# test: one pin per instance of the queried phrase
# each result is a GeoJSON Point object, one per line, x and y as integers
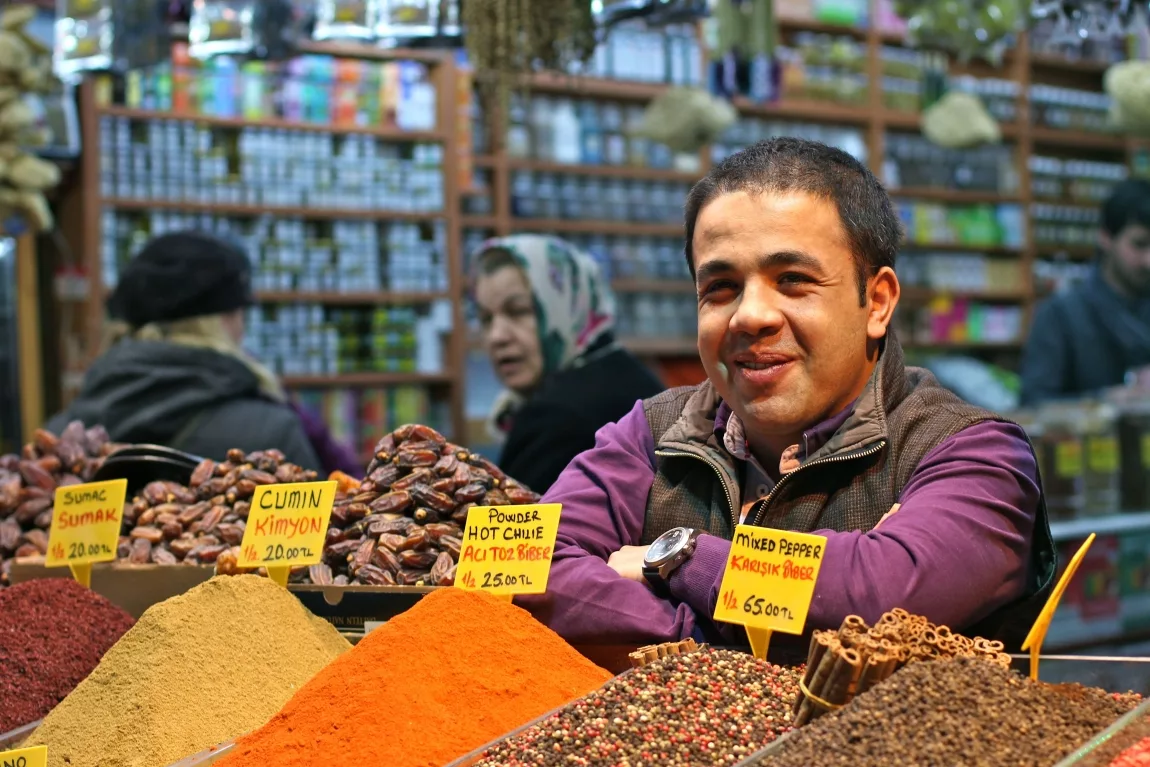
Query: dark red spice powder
{"type": "Point", "coordinates": [53, 632]}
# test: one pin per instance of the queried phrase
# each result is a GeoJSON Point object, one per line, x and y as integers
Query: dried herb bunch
{"type": "Point", "coordinates": [508, 39]}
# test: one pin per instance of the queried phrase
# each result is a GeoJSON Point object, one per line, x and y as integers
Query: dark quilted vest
{"type": "Point", "coordinates": [848, 484]}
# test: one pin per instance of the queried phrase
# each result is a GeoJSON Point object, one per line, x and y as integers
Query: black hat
{"type": "Point", "coordinates": [181, 275]}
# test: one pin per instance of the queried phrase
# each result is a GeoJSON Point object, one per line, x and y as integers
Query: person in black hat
{"type": "Point", "coordinates": [174, 372]}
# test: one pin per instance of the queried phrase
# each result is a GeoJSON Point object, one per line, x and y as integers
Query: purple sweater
{"type": "Point", "coordinates": [957, 549]}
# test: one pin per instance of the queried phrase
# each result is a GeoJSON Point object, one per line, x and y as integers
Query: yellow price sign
{"type": "Point", "coordinates": [36, 756]}
{"type": "Point", "coordinates": [507, 550]}
{"type": "Point", "coordinates": [86, 522]}
{"type": "Point", "coordinates": [287, 526]}
{"type": "Point", "coordinates": [769, 582]}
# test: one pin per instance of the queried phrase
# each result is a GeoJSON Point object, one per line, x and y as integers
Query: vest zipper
{"type": "Point", "coordinates": [718, 470]}
{"type": "Point", "coordinates": [757, 512]}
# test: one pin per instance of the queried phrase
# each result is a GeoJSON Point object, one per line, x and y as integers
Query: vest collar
{"type": "Point", "coordinates": [866, 425]}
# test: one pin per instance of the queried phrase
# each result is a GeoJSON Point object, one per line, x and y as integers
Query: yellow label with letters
{"type": "Point", "coordinates": [1102, 454]}
{"type": "Point", "coordinates": [86, 522]}
{"type": "Point", "coordinates": [1068, 459]}
{"type": "Point", "coordinates": [508, 549]}
{"type": "Point", "coordinates": [770, 578]}
{"type": "Point", "coordinates": [287, 524]}
{"type": "Point", "coordinates": [36, 756]}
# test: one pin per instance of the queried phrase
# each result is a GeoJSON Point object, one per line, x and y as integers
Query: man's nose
{"type": "Point", "coordinates": [758, 311]}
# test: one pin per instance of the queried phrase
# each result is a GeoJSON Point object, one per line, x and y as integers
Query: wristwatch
{"type": "Point", "coordinates": [669, 550]}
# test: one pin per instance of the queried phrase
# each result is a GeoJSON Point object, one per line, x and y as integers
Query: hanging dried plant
{"type": "Point", "coordinates": [509, 39]}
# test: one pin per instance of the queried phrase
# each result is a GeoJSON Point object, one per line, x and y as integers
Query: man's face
{"type": "Point", "coordinates": [781, 333]}
{"type": "Point", "coordinates": [1129, 259]}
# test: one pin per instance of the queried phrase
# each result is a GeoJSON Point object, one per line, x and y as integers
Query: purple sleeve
{"type": "Point", "coordinates": [332, 455]}
{"type": "Point", "coordinates": [957, 549]}
{"type": "Point", "coordinates": [604, 496]}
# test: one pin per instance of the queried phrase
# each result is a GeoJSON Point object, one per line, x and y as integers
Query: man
{"type": "Point", "coordinates": [808, 421]}
{"type": "Point", "coordinates": [1096, 334]}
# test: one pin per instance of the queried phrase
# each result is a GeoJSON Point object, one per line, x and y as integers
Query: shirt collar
{"type": "Point", "coordinates": [813, 438]}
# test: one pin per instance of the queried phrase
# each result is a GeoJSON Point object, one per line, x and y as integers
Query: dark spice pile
{"type": "Point", "coordinates": [28, 482]}
{"type": "Point", "coordinates": [403, 525]}
{"type": "Point", "coordinates": [710, 707]}
{"type": "Point", "coordinates": [961, 711]}
{"type": "Point", "coordinates": [53, 632]}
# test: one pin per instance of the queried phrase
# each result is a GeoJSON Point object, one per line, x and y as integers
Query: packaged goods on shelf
{"type": "Point", "coordinates": [176, 159]}
{"type": "Point", "coordinates": [578, 198]}
{"type": "Point", "coordinates": [972, 226]}
{"type": "Point", "coordinates": [1073, 225]}
{"type": "Point", "coordinates": [1074, 181]}
{"type": "Point", "coordinates": [1069, 109]}
{"type": "Point", "coordinates": [946, 320]}
{"type": "Point", "coordinates": [196, 670]}
{"type": "Point", "coordinates": [29, 480]}
{"type": "Point", "coordinates": [358, 416]}
{"type": "Point", "coordinates": [656, 315]}
{"type": "Point", "coordinates": [396, 698]}
{"type": "Point", "coordinates": [403, 525]}
{"type": "Point", "coordinates": [311, 88]}
{"type": "Point", "coordinates": [627, 257]}
{"type": "Point", "coordinates": [963, 710]}
{"type": "Point", "coordinates": [169, 523]}
{"type": "Point", "coordinates": [748, 130]}
{"type": "Point", "coordinates": [310, 339]}
{"type": "Point", "coordinates": [706, 707]}
{"type": "Point", "coordinates": [824, 68]}
{"type": "Point", "coordinates": [913, 161]}
{"type": "Point", "coordinates": [1056, 276]}
{"type": "Point", "coordinates": [290, 253]}
{"type": "Point", "coordinates": [633, 51]}
{"type": "Point", "coordinates": [53, 634]}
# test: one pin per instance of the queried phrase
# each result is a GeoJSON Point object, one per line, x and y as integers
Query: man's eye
{"type": "Point", "coordinates": [793, 278]}
{"type": "Point", "coordinates": [716, 286]}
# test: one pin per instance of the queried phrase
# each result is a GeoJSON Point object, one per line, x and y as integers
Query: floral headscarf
{"type": "Point", "coordinates": [574, 306]}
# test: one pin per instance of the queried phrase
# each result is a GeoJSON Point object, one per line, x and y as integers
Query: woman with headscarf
{"type": "Point", "coordinates": [548, 327]}
{"type": "Point", "coordinates": [174, 372]}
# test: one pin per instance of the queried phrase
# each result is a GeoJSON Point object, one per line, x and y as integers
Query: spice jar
{"type": "Point", "coordinates": [1102, 459]}
{"type": "Point", "coordinates": [1062, 448]}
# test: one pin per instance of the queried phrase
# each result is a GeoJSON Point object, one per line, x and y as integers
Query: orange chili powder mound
{"type": "Point", "coordinates": [458, 670]}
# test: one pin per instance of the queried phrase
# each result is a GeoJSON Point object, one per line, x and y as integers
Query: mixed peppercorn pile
{"type": "Point", "coordinates": [711, 707]}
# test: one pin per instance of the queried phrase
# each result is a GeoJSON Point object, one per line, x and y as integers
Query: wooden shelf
{"type": "Point", "coordinates": [391, 133]}
{"type": "Point", "coordinates": [943, 194]}
{"type": "Point", "coordinates": [479, 222]}
{"type": "Point", "coordinates": [1066, 252]}
{"type": "Point", "coordinates": [1071, 139]}
{"type": "Point", "coordinates": [1041, 61]}
{"type": "Point", "coordinates": [821, 111]}
{"type": "Point", "coordinates": [661, 347]}
{"type": "Point", "coordinates": [360, 380]}
{"type": "Point", "coordinates": [944, 346]}
{"type": "Point", "coordinates": [653, 286]}
{"type": "Point", "coordinates": [596, 227]}
{"type": "Point", "coordinates": [229, 209]}
{"type": "Point", "coordinates": [607, 171]}
{"type": "Point", "coordinates": [345, 50]}
{"type": "Point", "coordinates": [349, 299]}
{"type": "Point", "coordinates": [595, 87]}
{"type": "Point", "coordinates": [822, 27]}
{"type": "Point", "coordinates": [916, 294]}
{"type": "Point", "coordinates": [485, 161]}
{"type": "Point", "coordinates": [961, 247]}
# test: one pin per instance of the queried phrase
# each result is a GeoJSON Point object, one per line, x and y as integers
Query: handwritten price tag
{"type": "Point", "coordinates": [507, 549]}
{"type": "Point", "coordinates": [37, 756]}
{"type": "Point", "coordinates": [769, 582]}
{"type": "Point", "coordinates": [286, 526]}
{"type": "Point", "coordinates": [86, 521]}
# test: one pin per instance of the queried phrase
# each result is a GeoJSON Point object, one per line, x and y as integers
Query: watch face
{"type": "Point", "coordinates": [666, 545]}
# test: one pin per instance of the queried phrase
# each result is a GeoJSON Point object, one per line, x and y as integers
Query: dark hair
{"type": "Point", "coordinates": [797, 165]}
{"type": "Point", "coordinates": [495, 258]}
{"type": "Point", "coordinates": [1128, 203]}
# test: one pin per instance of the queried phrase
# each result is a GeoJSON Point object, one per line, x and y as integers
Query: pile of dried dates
{"type": "Point", "coordinates": [28, 483]}
{"type": "Point", "coordinates": [403, 525]}
{"type": "Point", "coordinates": [169, 523]}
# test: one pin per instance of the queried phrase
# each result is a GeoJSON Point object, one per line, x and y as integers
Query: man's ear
{"type": "Point", "coordinates": [883, 292]}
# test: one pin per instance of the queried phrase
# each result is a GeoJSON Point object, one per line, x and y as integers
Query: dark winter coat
{"type": "Point", "coordinates": [187, 398]}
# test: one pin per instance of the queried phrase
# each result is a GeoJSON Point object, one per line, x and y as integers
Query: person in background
{"type": "Point", "coordinates": [548, 318]}
{"type": "Point", "coordinates": [173, 371]}
{"type": "Point", "coordinates": [1097, 334]}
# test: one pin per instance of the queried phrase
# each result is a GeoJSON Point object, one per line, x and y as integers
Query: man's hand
{"type": "Point", "coordinates": [628, 562]}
